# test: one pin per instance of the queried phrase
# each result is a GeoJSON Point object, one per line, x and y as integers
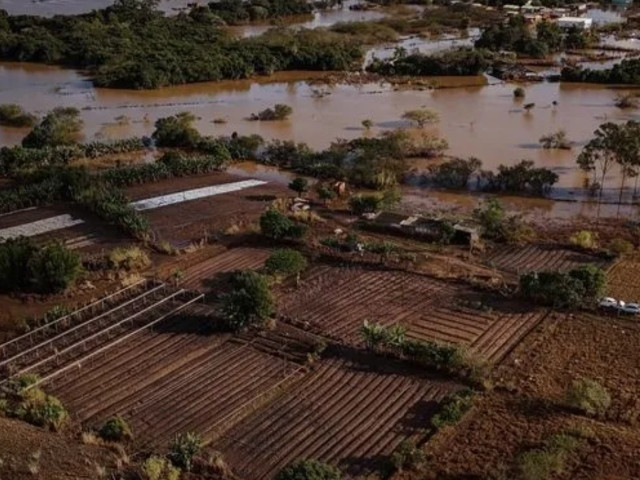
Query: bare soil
{"type": "Point", "coordinates": [526, 408]}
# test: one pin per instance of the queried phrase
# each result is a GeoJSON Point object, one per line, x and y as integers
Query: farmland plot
{"type": "Point", "coordinates": [530, 258]}
{"type": "Point", "coordinates": [345, 413]}
{"type": "Point", "coordinates": [336, 301]}
{"type": "Point", "coordinates": [623, 280]}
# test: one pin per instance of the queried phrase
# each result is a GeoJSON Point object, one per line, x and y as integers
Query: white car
{"type": "Point", "coordinates": [630, 308]}
{"type": "Point", "coordinates": [609, 302]}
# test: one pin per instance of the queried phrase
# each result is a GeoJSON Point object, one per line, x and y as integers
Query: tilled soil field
{"type": "Point", "coordinates": [199, 276]}
{"type": "Point", "coordinates": [351, 412]}
{"type": "Point", "coordinates": [336, 301]}
{"type": "Point", "coordinates": [623, 280]}
{"type": "Point", "coordinates": [530, 258]}
{"type": "Point", "coordinates": [527, 409]}
{"type": "Point", "coordinates": [181, 377]}
{"type": "Point", "coordinates": [183, 223]}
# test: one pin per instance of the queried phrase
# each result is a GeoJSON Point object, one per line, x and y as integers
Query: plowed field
{"type": "Point", "coordinates": [529, 258]}
{"type": "Point", "coordinates": [345, 413]}
{"type": "Point", "coordinates": [623, 280]}
{"type": "Point", "coordinates": [336, 301]}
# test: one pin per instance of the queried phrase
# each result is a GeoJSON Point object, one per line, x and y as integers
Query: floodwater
{"type": "Point", "coordinates": [481, 121]}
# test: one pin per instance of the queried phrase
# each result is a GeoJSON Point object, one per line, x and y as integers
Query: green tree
{"type": "Point", "coordinates": [53, 268]}
{"type": "Point", "coordinates": [519, 92]}
{"type": "Point", "coordinates": [184, 448]}
{"type": "Point", "coordinates": [14, 116]}
{"type": "Point", "coordinates": [309, 470]}
{"type": "Point", "coordinates": [325, 192]}
{"type": "Point", "coordinates": [249, 301]}
{"type": "Point", "coordinates": [62, 126]}
{"type": "Point", "coordinates": [367, 124]}
{"type": "Point", "coordinates": [286, 262]}
{"type": "Point", "coordinates": [277, 225]}
{"type": "Point", "coordinates": [422, 117]}
{"type": "Point", "coordinates": [176, 131]}
{"type": "Point", "coordinates": [300, 185]}
{"type": "Point", "coordinates": [360, 204]}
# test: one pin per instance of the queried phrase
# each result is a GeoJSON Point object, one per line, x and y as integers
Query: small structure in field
{"type": "Point", "coordinates": [433, 229]}
{"type": "Point", "coordinates": [567, 23]}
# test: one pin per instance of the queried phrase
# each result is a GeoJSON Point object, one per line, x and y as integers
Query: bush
{"type": "Point", "coordinates": [42, 410]}
{"type": "Point", "coordinates": [456, 62]}
{"type": "Point", "coordinates": [556, 140]}
{"type": "Point", "coordinates": [128, 258]}
{"type": "Point", "coordinates": [309, 470]}
{"type": "Point", "coordinates": [176, 131]}
{"type": "Point", "coordinates": [408, 456]}
{"type": "Point", "coordinates": [278, 112]}
{"type": "Point", "coordinates": [184, 448]}
{"type": "Point", "coordinates": [299, 185]}
{"type": "Point", "coordinates": [277, 226]}
{"type": "Point", "coordinates": [522, 177]}
{"type": "Point", "coordinates": [519, 92]}
{"type": "Point", "coordinates": [61, 126]}
{"type": "Point", "coordinates": [50, 269]}
{"type": "Point", "coordinates": [564, 290]}
{"type": "Point", "coordinates": [53, 268]}
{"type": "Point", "coordinates": [158, 468]}
{"type": "Point", "coordinates": [15, 116]}
{"type": "Point", "coordinates": [116, 429]}
{"type": "Point", "coordinates": [542, 463]}
{"type": "Point", "coordinates": [286, 262]}
{"type": "Point", "coordinates": [620, 247]}
{"type": "Point", "coordinates": [453, 409]}
{"type": "Point", "coordinates": [250, 300]}
{"type": "Point", "coordinates": [454, 173]}
{"type": "Point", "coordinates": [588, 396]}
{"type": "Point", "coordinates": [360, 204]}
{"type": "Point", "coordinates": [421, 117]}
{"type": "Point", "coordinates": [584, 239]}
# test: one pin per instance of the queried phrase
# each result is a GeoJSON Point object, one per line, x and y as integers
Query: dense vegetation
{"type": "Point", "coordinates": [522, 177]}
{"type": "Point", "coordinates": [309, 470]}
{"type": "Point", "coordinates": [577, 287]}
{"type": "Point", "coordinates": [22, 399]}
{"type": "Point", "coordinates": [250, 300]}
{"type": "Point", "coordinates": [627, 72]}
{"type": "Point", "coordinates": [132, 45]}
{"type": "Point", "coordinates": [458, 62]}
{"type": "Point", "coordinates": [235, 12]}
{"type": "Point", "coordinates": [60, 127]}
{"type": "Point", "coordinates": [14, 116]}
{"type": "Point", "coordinates": [516, 36]}
{"type": "Point", "coordinates": [27, 268]}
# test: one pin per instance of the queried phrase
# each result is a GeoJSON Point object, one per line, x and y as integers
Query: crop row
{"type": "Point", "coordinates": [342, 414]}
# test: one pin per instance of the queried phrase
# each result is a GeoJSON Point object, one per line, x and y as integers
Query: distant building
{"type": "Point", "coordinates": [570, 22]}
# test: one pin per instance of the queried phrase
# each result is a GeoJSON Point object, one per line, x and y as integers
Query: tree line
{"type": "Point", "coordinates": [132, 45]}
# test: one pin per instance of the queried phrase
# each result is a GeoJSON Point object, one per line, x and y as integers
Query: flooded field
{"type": "Point", "coordinates": [48, 8]}
{"type": "Point", "coordinates": [481, 121]}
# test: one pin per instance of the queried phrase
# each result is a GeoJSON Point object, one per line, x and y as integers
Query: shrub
{"type": "Point", "coordinates": [276, 225]}
{"type": "Point", "coordinates": [523, 177]}
{"type": "Point", "coordinates": [116, 429]}
{"type": "Point", "coordinates": [41, 409]}
{"type": "Point", "coordinates": [619, 247]}
{"type": "Point", "coordinates": [421, 117]}
{"type": "Point", "coordinates": [519, 92]}
{"type": "Point", "coordinates": [128, 258]}
{"type": "Point", "coordinates": [159, 468]}
{"type": "Point", "coordinates": [556, 140]}
{"type": "Point", "coordinates": [278, 112]}
{"type": "Point", "coordinates": [176, 131]}
{"type": "Point", "coordinates": [374, 335]}
{"type": "Point", "coordinates": [299, 185]}
{"type": "Point", "coordinates": [584, 239]}
{"type": "Point", "coordinates": [50, 269]}
{"type": "Point", "coordinates": [360, 204]}
{"type": "Point", "coordinates": [61, 126]}
{"type": "Point", "coordinates": [14, 116]}
{"type": "Point", "coordinates": [454, 173]}
{"type": "Point", "coordinates": [453, 409]}
{"type": "Point", "coordinates": [367, 123]}
{"type": "Point", "coordinates": [542, 463]}
{"type": "Point", "coordinates": [250, 300]}
{"type": "Point", "coordinates": [53, 268]}
{"type": "Point", "coordinates": [286, 262]}
{"type": "Point", "coordinates": [184, 448]}
{"type": "Point", "coordinates": [564, 290]}
{"type": "Point", "coordinates": [408, 456]}
{"type": "Point", "coordinates": [588, 396]}
{"type": "Point", "coordinates": [309, 470]}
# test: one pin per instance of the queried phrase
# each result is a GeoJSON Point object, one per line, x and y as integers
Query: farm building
{"type": "Point", "coordinates": [423, 227]}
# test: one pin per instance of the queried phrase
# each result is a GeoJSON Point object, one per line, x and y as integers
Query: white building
{"type": "Point", "coordinates": [569, 22]}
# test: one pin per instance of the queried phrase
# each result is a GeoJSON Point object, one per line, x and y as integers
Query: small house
{"type": "Point", "coordinates": [567, 23]}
